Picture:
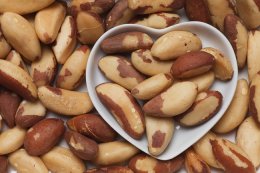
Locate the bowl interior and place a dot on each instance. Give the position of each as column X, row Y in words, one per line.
column 183, row 137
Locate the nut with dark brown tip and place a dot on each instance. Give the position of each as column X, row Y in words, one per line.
column 81, row 146
column 43, row 136
column 15, row 58
column 93, row 126
column 126, row 42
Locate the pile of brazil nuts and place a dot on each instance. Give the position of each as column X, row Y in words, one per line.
column 44, row 49
column 172, row 74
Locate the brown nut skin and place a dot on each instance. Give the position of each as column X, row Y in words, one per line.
column 43, row 136
column 93, row 126
column 29, row 113
column 254, row 98
column 197, row 10
column 72, row 72
column 121, row 71
column 48, row 22
column 157, row 20
column 206, row 105
column 110, row 169
column 81, row 146
column 4, row 164
column 119, row 14
column 15, row 58
column 4, row 46
column 192, row 64
column 194, row 163
column 43, row 70
column 16, row 79
column 126, row 42
column 248, row 11
column 25, row 40
column 9, row 103
column 145, row 63
column 231, row 157
column 89, row 27
column 96, row 6
column 23, row 7
column 237, row 35
column 147, row 6
column 66, row 40
column 123, row 107
column 155, row 166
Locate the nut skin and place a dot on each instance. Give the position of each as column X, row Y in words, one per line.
column 252, row 53
column 247, row 138
column 25, row 40
column 194, row 163
column 72, row 72
column 43, row 70
column 23, row 162
column 4, row 164
column 146, row 6
column 121, row 71
column 29, row 113
column 9, row 103
column 123, row 107
column 93, row 126
column 90, row 27
column 197, row 10
column 11, row 140
column 64, row 102
column 192, row 64
column 183, row 94
column 17, row 80
column 155, row 166
column 254, row 97
column 248, row 11
column 237, row 35
column 206, row 105
column 236, row 111
column 119, row 14
column 222, row 68
column 96, row 6
column 170, row 45
column 157, row 20
column 126, row 42
column 48, row 22
column 110, row 169
column 62, row 160
column 20, row 7
column 231, row 157
column 112, row 153
column 81, row 146
column 66, row 40
column 50, row 130
column 145, row 63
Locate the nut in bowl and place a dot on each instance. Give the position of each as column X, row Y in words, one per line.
column 133, row 129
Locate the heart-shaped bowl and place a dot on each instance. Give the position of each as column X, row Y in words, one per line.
column 183, row 137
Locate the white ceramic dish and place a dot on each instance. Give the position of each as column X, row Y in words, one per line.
column 183, row 137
